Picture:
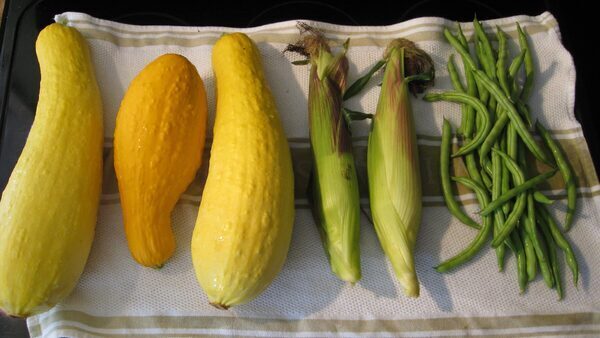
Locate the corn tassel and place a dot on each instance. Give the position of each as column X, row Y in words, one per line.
column 334, row 184
column 393, row 162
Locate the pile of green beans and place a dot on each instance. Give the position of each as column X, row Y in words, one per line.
column 496, row 132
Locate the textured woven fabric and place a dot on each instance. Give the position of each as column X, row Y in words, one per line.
column 116, row 296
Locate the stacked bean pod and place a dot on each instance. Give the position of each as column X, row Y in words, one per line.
column 496, row 139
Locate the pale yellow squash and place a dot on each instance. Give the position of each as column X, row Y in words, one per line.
column 49, row 206
column 246, row 214
column 159, row 139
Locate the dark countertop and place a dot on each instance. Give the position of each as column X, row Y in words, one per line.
column 12, row 327
column 22, row 20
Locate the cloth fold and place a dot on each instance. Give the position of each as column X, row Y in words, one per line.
column 117, row 297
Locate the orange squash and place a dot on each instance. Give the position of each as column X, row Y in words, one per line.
column 159, row 139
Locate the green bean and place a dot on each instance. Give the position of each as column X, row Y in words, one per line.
column 500, row 249
column 530, row 225
column 498, row 214
column 451, row 203
column 461, row 36
column 470, row 116
column 487, row 181
column 560, row 240
column 520, row 203
column 474, row 102
column 514, row 94
column 496, row 126
column 521, row 260
column 553, row 259
column 483, row 60
column 524, row 111
column 471, row 165
column 565, row 170
column 515, row 65
column 529, row 254
column 479, row 242
column 501, row 63
column 512, row 167
column 493, row 109
column 512, row 143
column 503, row 143
column 499, row 111
column 505, row 185
column 531, row 208
column 471, row 90
column 541, row 251
column 530, row 183
column 529, row 68
column 512, row 76
column 458, row 86
column 462, row 50
column 488, row 52
column 520, row 154
column 487, row 166
column 512, row 113
column 471, row 86
column 496, row 168
column 454, row 77
column 504, row 178
column 551, row 273
column 468, row 60
column 484, row 95
column 507, row 207
column 478, row 121
column 556, row 273
column 493, row 135
column 541, row 198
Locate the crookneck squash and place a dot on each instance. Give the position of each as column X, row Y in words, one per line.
column 158, row 144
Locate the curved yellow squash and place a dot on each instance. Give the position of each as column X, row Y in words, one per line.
column 159, row 139
column 48, row 209
column 246, row 215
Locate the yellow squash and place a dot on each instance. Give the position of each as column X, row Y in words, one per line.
column 48, row 209
column 246, row 215
column 159, row 139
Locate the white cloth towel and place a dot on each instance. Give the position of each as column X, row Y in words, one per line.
column 115, row 296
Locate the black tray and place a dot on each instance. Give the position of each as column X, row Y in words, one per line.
column 19, row 72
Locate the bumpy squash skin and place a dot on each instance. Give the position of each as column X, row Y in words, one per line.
column 159, row 139
column 49, row 206
column 246, row 215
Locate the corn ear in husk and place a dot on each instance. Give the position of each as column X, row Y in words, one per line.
column 393, row 161
column 334, row 184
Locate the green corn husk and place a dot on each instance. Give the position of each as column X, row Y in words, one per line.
column 334, row 184
column 393, row 161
